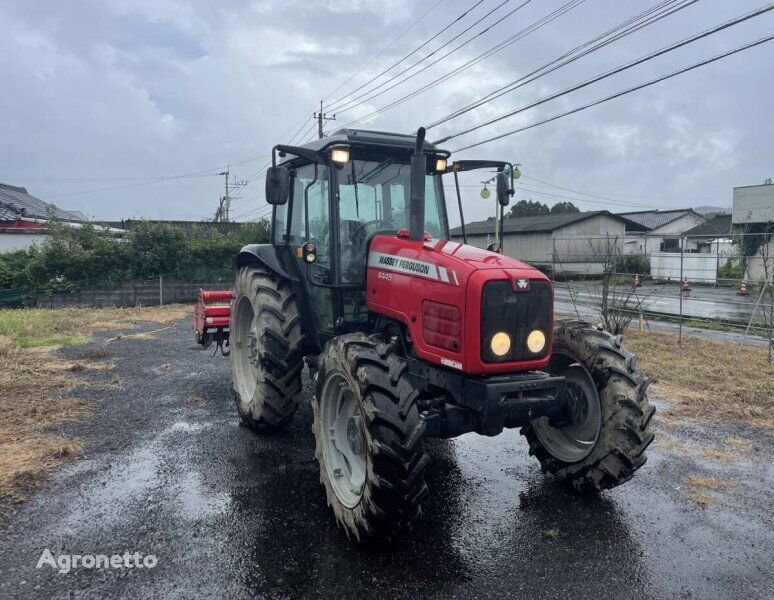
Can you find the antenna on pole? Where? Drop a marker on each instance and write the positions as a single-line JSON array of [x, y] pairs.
[[321, 116]]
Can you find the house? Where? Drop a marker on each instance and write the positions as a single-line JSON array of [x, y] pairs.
[[711, 237], [568, 242], [753, 212], [25, 219], [658, 230]]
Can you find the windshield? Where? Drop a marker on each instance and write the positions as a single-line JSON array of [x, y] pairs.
[[374, 196]]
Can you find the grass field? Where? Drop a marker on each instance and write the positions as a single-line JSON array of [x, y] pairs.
[[38, 392], [704, 378]]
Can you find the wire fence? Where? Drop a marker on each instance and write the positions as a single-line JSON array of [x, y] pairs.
[[716, 281]]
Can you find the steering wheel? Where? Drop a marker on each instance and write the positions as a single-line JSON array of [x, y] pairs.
[[377, 224]]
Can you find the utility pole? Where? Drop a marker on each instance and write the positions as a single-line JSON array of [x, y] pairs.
[[225, 204], [321, 116]]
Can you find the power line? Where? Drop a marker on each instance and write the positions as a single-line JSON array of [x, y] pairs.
[[129, 185], [474, 61], [615, 71], [624, 29], [142, 179], [603, 201], [382, 51], [414, 51], [352, 103], [602, 195], [623, 93]]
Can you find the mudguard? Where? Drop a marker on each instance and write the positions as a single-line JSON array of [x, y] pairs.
[[272, 257]]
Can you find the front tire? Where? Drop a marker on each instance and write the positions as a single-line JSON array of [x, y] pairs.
[[266, 359], [368, 437], [608, 442]]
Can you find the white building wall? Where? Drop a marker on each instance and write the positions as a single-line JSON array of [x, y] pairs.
[[20, 241], [753, 204], [697, 267], [756, 267], [532, 248]]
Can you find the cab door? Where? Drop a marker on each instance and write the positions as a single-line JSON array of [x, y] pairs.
[[310, 221]]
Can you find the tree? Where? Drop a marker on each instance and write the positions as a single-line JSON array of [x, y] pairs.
[[564, 208], [527, 208]]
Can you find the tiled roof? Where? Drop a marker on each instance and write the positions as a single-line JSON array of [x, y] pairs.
[[653, 219], [223, 228], [717, 226], [16, 202], [537, 224]]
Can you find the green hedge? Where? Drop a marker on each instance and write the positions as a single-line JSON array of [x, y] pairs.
[[74, 258]]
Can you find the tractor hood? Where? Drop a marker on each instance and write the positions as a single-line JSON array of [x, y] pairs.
[[446, 261]]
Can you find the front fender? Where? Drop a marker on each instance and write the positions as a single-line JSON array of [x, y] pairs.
[[274, 258]]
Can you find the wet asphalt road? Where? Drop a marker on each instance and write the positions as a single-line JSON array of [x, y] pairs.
[[232, 514]]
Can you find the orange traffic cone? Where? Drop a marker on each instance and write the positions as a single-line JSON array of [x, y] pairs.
[[743, 291], [636, 280], [686, 287]]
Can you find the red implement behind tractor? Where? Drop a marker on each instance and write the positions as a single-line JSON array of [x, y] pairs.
[[212, 316]]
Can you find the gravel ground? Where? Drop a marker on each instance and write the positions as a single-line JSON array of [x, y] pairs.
[[169, 471]]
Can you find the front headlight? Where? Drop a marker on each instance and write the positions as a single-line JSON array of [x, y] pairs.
[[536, 341], [501, 343]]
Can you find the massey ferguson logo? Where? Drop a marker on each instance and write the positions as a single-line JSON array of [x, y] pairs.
[[522, 285], [405, 265]]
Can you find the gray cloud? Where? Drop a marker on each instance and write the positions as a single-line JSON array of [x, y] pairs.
[[137, 88]]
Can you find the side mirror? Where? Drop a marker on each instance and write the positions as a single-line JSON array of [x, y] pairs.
[[503, 188], [277, 185]]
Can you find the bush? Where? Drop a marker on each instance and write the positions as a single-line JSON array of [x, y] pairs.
[[733, 269], [72, 258], [634, 264]]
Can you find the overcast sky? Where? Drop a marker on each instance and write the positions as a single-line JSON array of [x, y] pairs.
[[113, 91]]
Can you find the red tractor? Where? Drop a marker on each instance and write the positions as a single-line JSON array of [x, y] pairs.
[[410, 334]]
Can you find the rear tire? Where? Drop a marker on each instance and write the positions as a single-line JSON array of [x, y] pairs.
[[624, 411], [368, 437], [266, 358]]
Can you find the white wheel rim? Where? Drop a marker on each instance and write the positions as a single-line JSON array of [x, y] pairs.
[[244, 348], [343, 440], [573, 443]]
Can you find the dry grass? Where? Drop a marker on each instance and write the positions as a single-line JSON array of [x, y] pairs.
[[36, 385], [721, 455], [95, 354], [741, 445], [30, 327], [704, 379], [699, 489], [33, 386]]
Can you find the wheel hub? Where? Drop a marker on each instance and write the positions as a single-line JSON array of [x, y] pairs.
[[355, 437], [577, 406], [575, 441]]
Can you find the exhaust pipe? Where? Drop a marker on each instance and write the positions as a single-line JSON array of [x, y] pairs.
[[417, 197]]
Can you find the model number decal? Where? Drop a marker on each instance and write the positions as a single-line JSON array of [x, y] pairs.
[[385, 276], [451, 363]]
